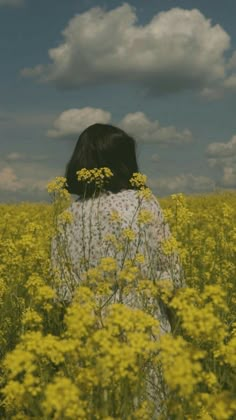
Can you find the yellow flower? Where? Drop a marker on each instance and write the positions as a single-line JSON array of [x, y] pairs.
[[89, 351], [175, 351], [30, 316], [145, 411], [145, 216], [84, 175], [108, 264], [57, 184], [139, 258], [129, 233], [115, 216], [178, 198], [129, 273], [95, 174], [3, 290], [112, 238], [93, 273], [65, 217], [13, 395], [210, 379], [68, 405], [228, 352], [144, 193], [169, 245], [138, 179], [19, 361]]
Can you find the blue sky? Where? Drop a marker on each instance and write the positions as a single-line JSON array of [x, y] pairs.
[[164, 71]]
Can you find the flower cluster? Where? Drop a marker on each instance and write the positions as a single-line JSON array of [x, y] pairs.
[[57, 184], [139, 180], [99, 356], [97, 175]]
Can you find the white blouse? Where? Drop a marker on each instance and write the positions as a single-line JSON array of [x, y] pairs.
[[85, 239]]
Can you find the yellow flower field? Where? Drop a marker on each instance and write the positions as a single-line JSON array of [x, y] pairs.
[[80, 361]]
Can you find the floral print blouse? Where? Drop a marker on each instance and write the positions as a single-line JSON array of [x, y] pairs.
[[87, 240]]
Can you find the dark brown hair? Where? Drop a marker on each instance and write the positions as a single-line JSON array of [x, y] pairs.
[[102, 145]]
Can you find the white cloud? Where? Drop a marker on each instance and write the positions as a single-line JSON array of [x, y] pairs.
[[40, 185], [36, 71], [212, 93], [223, 157], [15, 156], [177, 50], [212, 162], [73, 121], [222, 150], [148, 131], [229, 177], [19, 157], [186, 183], [222, 162], [230, 82], [12, 3], [9, 181], [232, 61], [21, 173], [218, 91]]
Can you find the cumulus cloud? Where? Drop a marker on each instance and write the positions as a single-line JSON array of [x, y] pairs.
[[39, 185], [230, 82], [177, 50], [229, 177], [222, 162], [217, 92], [186, 183], [9, 181], [23, 174], [12, 3], [223, 156], [232, 61], [19, 157], [36, 71], [15, 156], [148, 131], [73, 121], [212, 93], [222, 150]]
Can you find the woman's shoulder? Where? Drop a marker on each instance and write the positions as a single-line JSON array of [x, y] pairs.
[[124, 194], [123, 200]]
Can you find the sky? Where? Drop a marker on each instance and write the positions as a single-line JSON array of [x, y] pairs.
[[162, 70]]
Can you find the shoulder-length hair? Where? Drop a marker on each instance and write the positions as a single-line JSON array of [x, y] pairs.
[[102, 145]]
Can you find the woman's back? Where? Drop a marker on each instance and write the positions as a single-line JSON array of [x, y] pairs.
[[87, 238]]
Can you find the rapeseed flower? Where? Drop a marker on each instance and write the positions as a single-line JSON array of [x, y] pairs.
[[145, 217], [129, 234], [103, 355], [98, 175]]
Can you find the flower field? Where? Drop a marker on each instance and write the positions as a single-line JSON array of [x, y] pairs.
[[78, 361]]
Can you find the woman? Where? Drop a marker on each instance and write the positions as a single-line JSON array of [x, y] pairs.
[[108, 212], [99, 146]]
